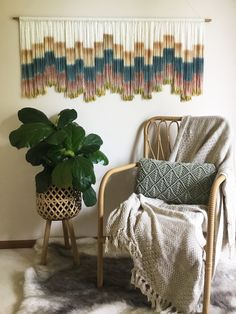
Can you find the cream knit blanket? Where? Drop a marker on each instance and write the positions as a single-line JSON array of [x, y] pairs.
[[208, 139], [166, 244]]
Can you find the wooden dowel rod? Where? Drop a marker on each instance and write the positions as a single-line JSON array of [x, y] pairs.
[[207, 20]]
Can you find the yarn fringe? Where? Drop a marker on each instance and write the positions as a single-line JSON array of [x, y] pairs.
[[157, 302], [122, 243], [137, 278]]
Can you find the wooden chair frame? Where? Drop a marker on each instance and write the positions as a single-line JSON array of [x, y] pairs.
[[158, 122]]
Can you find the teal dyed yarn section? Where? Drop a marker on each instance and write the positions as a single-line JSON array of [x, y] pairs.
[[82, 56]]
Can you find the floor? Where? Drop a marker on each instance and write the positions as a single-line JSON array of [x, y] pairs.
[[14, 262], [12, 266]]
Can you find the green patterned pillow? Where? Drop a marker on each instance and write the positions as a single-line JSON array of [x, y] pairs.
[[175, 182]]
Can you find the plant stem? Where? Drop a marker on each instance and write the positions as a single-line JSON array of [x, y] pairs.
[[69, 153]]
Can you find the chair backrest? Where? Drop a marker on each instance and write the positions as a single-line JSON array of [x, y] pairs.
[[159, 135]]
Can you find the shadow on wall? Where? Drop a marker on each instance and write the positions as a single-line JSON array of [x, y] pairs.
[[17, 191], [17, 173], [137, 151], [119, 188], [8, 125], [122, 185]]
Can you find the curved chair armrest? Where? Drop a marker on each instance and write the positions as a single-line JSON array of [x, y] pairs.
[[209, 266], [103, 185], [214, 190], [211, 218]]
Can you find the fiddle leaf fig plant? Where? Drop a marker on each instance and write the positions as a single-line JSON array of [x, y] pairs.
[[62, 148]]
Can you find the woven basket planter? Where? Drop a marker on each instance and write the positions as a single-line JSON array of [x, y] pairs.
[[58, 203]]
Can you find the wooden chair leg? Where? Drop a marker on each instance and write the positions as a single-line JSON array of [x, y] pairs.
[[207, 290], [208, 268], [45, 242], [73, 242], [100, 263], [65, 233]]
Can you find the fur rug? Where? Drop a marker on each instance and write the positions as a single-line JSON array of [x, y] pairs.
[[61, 288]]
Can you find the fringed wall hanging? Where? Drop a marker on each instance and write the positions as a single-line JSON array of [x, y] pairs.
[[128, 56]]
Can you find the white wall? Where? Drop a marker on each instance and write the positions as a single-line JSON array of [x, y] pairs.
[[117, 122]]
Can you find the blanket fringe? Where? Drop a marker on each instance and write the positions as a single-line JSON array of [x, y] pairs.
[[157, 302], [120, 242]]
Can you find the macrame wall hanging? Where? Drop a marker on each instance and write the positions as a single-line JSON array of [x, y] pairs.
[[127, 56]]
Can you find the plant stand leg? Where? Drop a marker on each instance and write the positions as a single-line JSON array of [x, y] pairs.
[[73, 242], [45, 242], [66, 236]]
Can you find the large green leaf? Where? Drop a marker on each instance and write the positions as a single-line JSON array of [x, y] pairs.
[[43, 180], [83, 173], [74, 137], [66, 116], [98, 157], [55, 155], [30, 134], [36, 155], [92, 143], [31, 115], [62, 174], [89, 197], [57, 137]]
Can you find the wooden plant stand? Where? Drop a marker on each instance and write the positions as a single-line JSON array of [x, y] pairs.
[[68, 231], [58, 204]]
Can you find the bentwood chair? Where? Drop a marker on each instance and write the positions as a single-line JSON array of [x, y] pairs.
[[159, 132]]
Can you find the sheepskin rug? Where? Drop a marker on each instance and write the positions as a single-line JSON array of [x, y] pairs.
[[61, 288]]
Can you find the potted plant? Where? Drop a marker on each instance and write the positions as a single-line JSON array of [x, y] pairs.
[[62, 148]]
